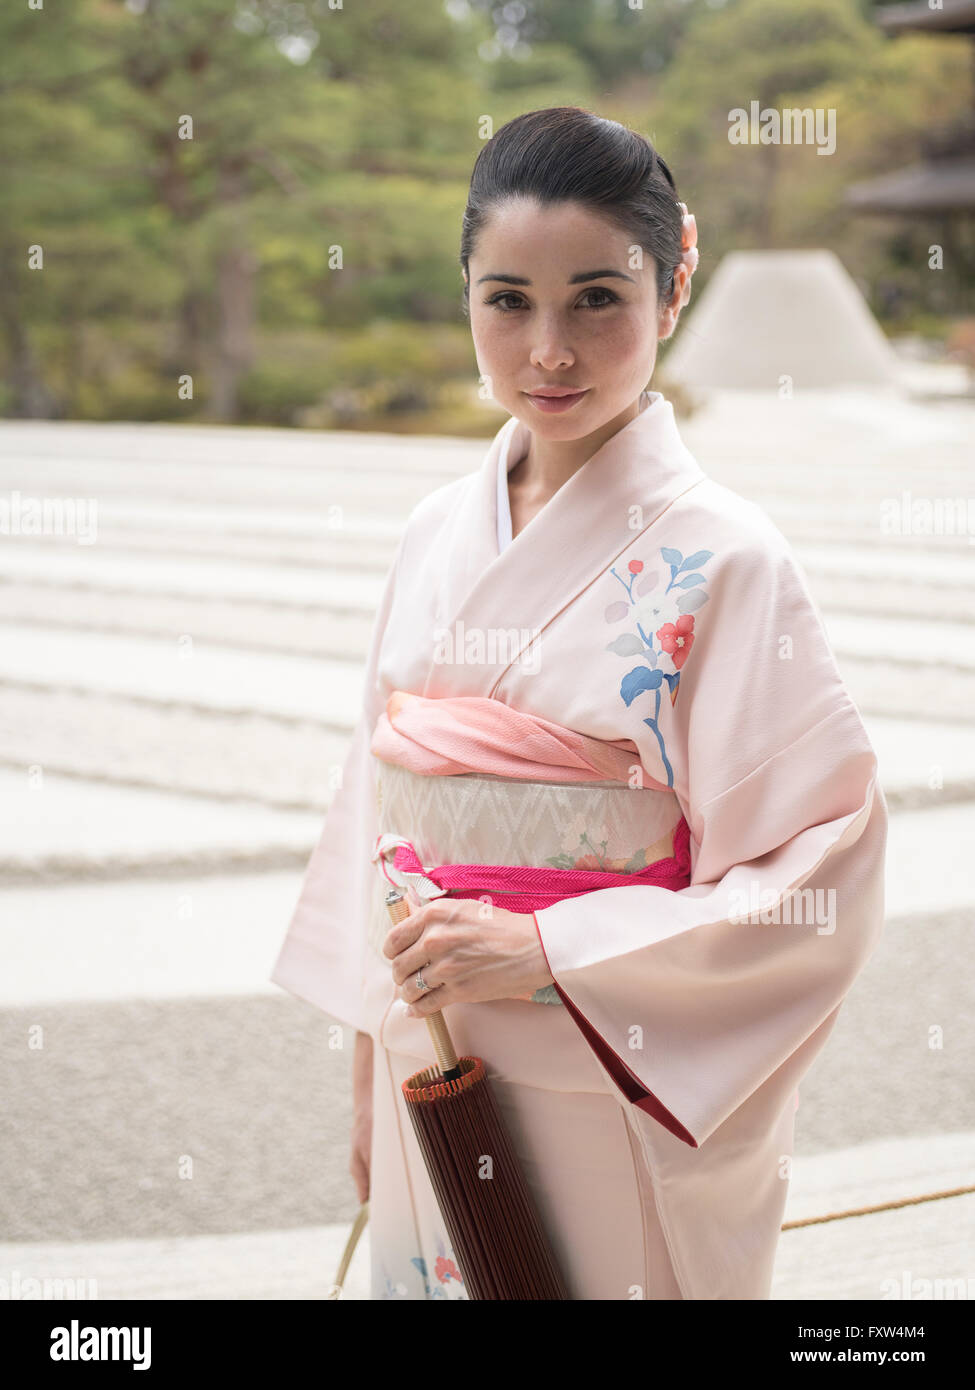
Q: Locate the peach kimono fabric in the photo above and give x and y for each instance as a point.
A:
(649, 607)
(569, 1123)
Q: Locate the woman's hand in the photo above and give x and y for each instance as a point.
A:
(467, 951)
(359, 1160)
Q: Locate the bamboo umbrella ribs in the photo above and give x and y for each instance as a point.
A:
(495, 1230)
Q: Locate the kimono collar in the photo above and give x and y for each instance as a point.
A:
(598, 513)
(647, 457)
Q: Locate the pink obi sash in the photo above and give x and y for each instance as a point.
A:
(460, 734)
(473, 733)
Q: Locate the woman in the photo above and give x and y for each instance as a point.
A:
(589, 656)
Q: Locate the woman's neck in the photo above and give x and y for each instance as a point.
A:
(549, 463)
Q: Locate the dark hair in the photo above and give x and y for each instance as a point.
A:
(564, 153)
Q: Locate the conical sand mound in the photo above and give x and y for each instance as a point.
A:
(772, 314)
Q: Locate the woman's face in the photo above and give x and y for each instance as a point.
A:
(557, 301)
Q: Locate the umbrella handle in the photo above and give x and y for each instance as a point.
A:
(398, 908)
(358, 1226)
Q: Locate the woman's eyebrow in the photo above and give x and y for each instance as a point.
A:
(573, 280)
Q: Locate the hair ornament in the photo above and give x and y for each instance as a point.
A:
(688, 242)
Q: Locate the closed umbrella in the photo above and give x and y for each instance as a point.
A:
(494, 1226)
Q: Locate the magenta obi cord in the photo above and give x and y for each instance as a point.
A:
(529, 889)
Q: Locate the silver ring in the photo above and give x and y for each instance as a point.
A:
(421, 983)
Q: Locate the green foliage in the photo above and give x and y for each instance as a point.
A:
(275, 392)
(298, 256)
(354, 377)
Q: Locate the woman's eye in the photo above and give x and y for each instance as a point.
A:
(507, 294)
(497, 300)
(610, 298)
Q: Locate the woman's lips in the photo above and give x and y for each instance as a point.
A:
(554, 405)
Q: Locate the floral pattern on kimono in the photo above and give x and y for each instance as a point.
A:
(673, 608)
(585, 846)
(446, 1273)
(582, 848)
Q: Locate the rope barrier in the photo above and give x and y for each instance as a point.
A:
(882, 1206)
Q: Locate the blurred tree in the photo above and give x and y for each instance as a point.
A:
(50, 143)
(227, 112)
(186, 133)
(774, 52)
(612, 39)
(243, 192)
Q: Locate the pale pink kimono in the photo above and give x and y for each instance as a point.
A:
(652, 1106)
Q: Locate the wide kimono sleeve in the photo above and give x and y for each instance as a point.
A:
(692, 999)
(322, 958)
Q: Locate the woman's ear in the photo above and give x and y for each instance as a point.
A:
(670, 311)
